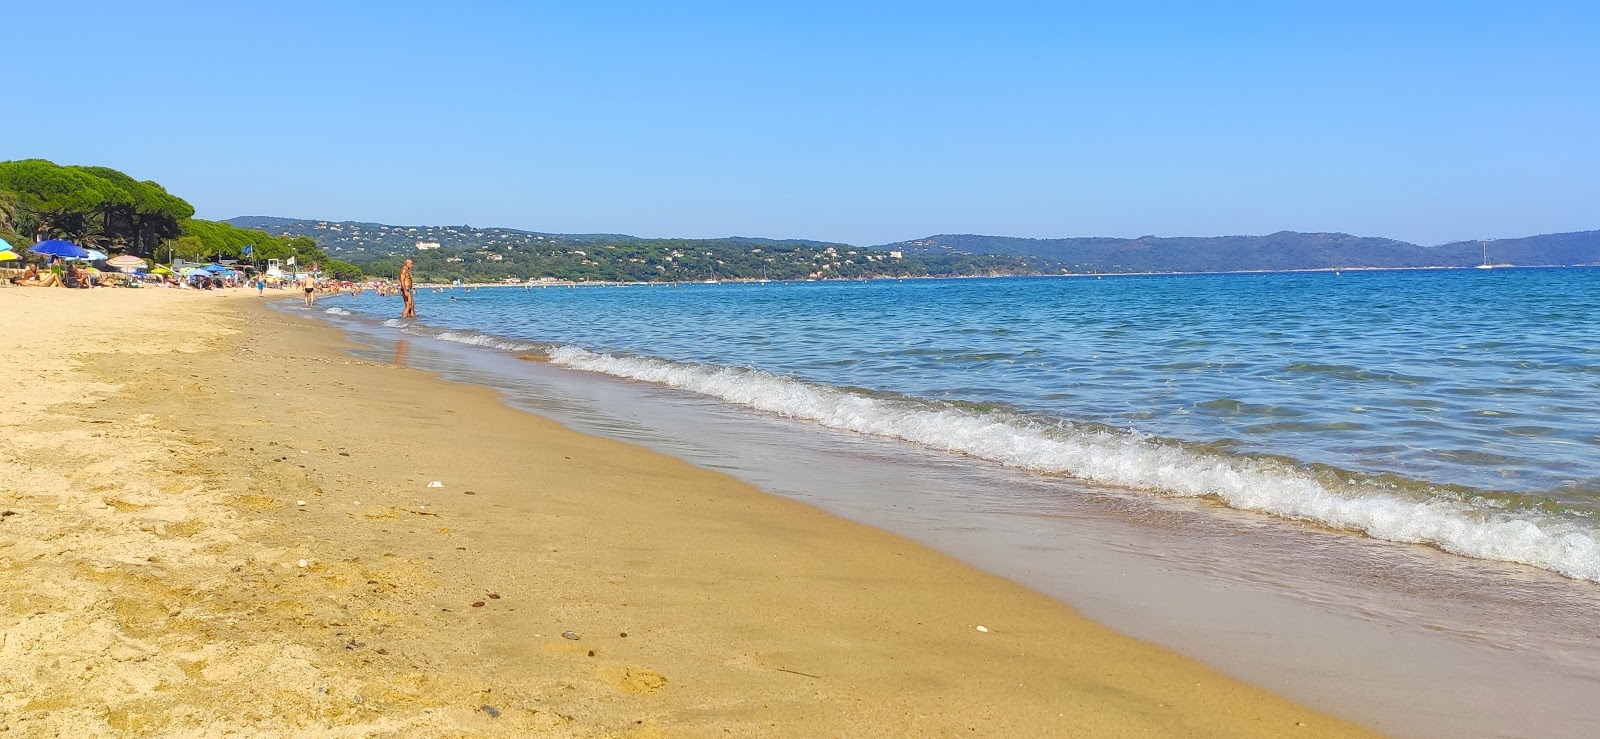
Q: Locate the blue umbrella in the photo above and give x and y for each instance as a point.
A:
(4, 245)
(59, 248)
(215, 268)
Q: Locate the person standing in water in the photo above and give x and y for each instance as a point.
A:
(408, 292)
(308, 282)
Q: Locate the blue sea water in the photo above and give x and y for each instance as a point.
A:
(1451, 408)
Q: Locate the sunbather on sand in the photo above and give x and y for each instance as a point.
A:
(31, 278)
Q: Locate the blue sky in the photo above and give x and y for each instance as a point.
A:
(859, 122)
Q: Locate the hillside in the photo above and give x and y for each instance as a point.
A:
(471, 253)
(356, 240)
(1574, 248)
(1285, 250)
(444, 253)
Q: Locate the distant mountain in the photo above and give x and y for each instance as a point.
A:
(1567, 249)
(1285, 250)
(515, 252)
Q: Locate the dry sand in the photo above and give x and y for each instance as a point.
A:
(158, 575)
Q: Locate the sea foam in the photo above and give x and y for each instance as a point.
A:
(1130, 460)
(493, 342)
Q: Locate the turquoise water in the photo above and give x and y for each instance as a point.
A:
(1452, 408)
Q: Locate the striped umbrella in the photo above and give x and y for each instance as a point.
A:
(125, 260)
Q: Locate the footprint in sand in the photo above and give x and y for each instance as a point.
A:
(634, 680)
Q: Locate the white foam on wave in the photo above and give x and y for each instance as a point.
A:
(1131, 460)
(338, 312)
(474, 339)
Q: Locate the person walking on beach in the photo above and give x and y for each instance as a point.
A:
(308, 282)
(408, 291)
(261, 286)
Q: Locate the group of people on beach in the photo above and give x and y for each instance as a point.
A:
(75, 274)
(404, 286)
(57, 274)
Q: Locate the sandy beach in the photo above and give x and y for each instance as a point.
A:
(218, 522)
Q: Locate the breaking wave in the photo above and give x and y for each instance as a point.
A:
(493, 342)
(1461, 524)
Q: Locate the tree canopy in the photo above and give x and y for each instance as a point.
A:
(93, 206)
(105, 208)
(146, 216)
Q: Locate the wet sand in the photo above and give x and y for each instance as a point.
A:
(159, 575)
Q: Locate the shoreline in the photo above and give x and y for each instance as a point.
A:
(1454, 647)
(744, 610)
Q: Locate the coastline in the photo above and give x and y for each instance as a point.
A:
(152, 567)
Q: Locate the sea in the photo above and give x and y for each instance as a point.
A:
(1374, 491)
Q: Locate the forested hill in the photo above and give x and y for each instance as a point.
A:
(444, 253)
(1285, 250)
(1574, 248)
(370, 241)
(483, 254)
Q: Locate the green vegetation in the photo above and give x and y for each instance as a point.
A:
(342, 270)
(446, 253)
(105, 209)
(205, 239)
(92, 206)
(680, 260)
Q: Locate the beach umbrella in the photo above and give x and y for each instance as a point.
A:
(95, 255)
(8, 255)
(5, 245)
(160, 270)
(124, 260)
(59, 248)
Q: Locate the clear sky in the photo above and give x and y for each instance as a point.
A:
(853, 121)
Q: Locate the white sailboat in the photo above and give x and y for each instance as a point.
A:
(1486, 264)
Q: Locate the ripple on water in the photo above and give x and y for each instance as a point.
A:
(1353, 373)
(1234, 407)
(1303, 427)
